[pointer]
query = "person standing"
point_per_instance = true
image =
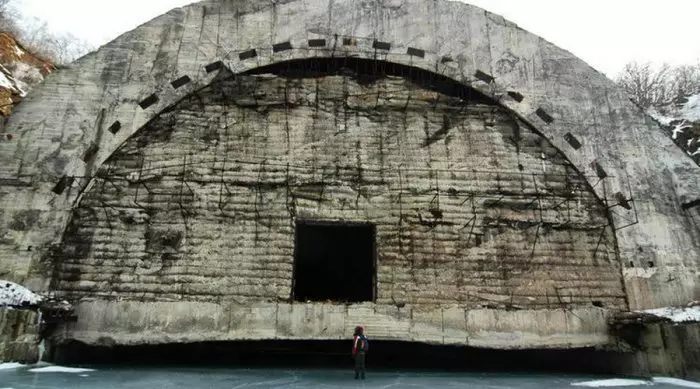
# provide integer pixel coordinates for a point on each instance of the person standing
(360, 346)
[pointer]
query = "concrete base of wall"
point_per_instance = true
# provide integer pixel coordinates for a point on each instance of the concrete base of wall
(137, 323)
(561, 340)
(19, 336)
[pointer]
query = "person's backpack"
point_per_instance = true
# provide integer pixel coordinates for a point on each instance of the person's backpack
(365, 344)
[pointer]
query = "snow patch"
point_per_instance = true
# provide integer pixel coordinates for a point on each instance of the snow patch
(682, 121)
(60, 369)
(677, 131)
(664, 120)
(691, 109)
(677, 315)
(676, 382)
(10, 365)
(19, 77)
(614, 382)
(25, 74)
(15, 295)
(5, 82)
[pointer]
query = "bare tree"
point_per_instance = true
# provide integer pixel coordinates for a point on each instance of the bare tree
(36, 35)
(685, 81)
(8, 16)
(646, 86)
(66, 48)
(661, 87)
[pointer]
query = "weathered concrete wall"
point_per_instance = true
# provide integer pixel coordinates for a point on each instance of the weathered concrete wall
(133, 323)
(470, 206)
(227, 174)
(74, 109)
(19, 335)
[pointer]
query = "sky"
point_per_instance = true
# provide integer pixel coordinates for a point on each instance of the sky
(605, 33)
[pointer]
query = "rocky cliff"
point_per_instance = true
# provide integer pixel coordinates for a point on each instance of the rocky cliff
(20, 70)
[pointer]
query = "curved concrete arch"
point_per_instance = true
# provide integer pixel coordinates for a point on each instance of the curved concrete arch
(73, 122)
(269, 133)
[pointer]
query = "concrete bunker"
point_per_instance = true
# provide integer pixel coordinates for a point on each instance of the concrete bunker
(297, 200)
(490, 176)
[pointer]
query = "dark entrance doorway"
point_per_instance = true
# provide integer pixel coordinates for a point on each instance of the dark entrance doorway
(334, 261)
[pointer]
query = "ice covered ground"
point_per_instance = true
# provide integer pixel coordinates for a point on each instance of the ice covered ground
(613, 382)
(57, 377)
(657, 382)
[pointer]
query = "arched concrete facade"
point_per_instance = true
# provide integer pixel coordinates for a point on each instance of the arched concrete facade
(75, 121)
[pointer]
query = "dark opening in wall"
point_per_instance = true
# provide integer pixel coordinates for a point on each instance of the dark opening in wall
(334, 262)
(115, 127)
(180, 82)
(317, 43)
(62, 184)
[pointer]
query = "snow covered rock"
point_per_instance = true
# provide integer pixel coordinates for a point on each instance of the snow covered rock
(677, 315)
(682, 122)
(15, 295)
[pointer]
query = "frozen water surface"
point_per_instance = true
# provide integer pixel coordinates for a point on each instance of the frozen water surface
(55, 377)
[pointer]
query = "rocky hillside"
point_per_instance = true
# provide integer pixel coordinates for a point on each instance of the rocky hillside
(682, 122)
(20, 70)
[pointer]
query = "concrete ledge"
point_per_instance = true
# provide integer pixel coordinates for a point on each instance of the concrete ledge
(132, 323)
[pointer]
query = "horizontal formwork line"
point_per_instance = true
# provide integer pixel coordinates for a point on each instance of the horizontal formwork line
(584, 289)
(501, 279)
(206, 296)
(166, 283)
(499, 296)
(264, 161)
(467, 265)
(331, 189)
(448, 198)
(251, 269)
(562, 275)
(386, 257)
(565, 274)
(465, 284)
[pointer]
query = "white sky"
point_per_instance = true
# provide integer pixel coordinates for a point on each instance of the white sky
(605, 33)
